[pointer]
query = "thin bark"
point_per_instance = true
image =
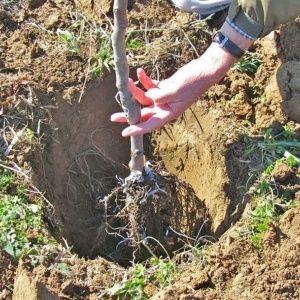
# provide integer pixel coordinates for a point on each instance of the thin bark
(129, 105)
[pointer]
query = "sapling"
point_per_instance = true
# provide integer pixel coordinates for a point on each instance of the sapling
(129, 105)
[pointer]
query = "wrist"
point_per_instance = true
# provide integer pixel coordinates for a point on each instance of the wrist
(193, 79)
(241, 41)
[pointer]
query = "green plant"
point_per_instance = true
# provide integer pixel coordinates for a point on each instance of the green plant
(30, 135)
(292, 162)
(70, 39)
(103, 58)
(249, 63)
(260, 219)
(164, 271)
(6, 180)
(64, 269)
(20, 219)
(269, 203)
(264, 187)
(133, 288)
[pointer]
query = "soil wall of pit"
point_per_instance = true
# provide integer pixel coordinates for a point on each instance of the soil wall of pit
(79, 164)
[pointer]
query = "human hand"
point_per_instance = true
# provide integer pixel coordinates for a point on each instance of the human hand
(164, 102)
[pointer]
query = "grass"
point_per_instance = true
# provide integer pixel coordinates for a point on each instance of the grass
(70, 39)
(280, 149)
(103, 59)
(82, 31)
(268, 210)
(156, 271)
(21, 224)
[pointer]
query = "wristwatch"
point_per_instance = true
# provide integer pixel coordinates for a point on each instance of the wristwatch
(224, 42)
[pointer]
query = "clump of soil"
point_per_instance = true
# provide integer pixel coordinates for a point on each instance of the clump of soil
(8, 271)
(150, 217)
(66, 276)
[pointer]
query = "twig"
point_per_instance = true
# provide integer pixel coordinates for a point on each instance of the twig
(14, 140)
(87, 69)
(15, 170)
(190, 42)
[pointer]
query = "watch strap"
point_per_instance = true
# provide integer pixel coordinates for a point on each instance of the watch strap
(224, 42)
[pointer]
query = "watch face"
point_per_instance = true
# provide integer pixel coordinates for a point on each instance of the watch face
(218, 37)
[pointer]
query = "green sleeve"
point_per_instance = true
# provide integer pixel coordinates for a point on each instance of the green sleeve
(257, 18)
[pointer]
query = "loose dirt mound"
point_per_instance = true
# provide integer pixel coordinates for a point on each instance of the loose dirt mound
(235, 271)
(65, 276)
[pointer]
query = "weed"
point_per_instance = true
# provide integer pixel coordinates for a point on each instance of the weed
(134, 45)
(260, 219)
(70, 39)
(270, 204)
(157, 271)
(30, 135)
(102, 59)
(64, 269)
(133, 288)
(6, 180)
(133, 41)
(164, 271)
(249, 63)
(20, 219)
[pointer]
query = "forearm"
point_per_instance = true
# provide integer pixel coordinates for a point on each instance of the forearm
(193, 79)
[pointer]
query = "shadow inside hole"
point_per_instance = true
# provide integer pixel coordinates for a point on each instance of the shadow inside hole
(78, 168)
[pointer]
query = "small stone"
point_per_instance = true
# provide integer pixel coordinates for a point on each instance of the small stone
(52, 21)
(281, 172)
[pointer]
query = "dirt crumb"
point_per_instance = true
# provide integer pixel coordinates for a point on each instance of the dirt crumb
(7, 270)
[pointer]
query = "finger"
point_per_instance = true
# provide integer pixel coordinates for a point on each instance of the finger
(145, 80)
(162, 116)
(139, 94)
(144, 127)
(159, 96)
(118, 117)
(146, 113)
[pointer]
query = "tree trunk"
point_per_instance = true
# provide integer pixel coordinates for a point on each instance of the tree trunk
(129, 105)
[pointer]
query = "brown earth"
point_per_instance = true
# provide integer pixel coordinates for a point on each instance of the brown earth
(65, 276)
(235, 271)
(79, 153)
(8, 271)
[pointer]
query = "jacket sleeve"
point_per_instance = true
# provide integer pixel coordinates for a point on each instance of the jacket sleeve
(257, 18)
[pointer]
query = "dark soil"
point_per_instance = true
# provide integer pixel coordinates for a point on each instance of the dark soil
(8, 271)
